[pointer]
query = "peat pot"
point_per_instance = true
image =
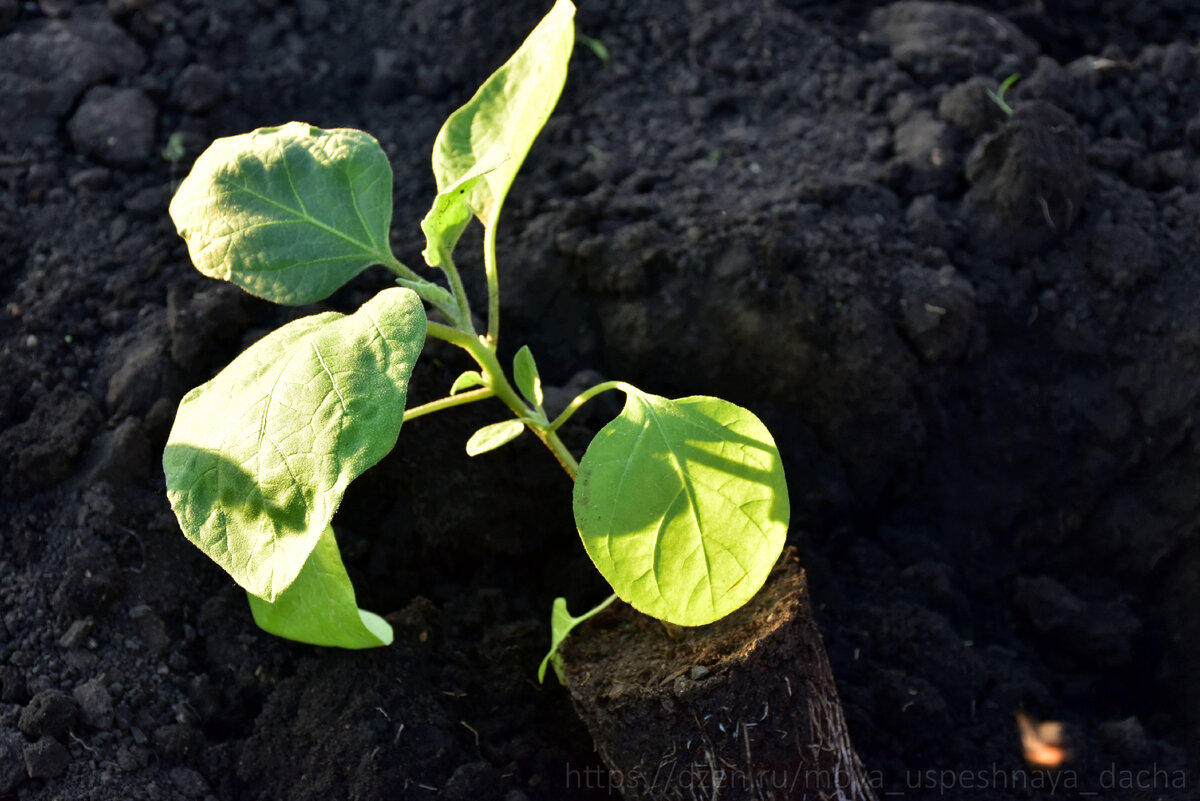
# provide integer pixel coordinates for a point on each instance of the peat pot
(744, 708)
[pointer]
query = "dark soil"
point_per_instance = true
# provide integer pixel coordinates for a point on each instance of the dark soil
(976, 339)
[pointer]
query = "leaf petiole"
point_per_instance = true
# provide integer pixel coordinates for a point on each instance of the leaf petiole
(561, 624)
(460, 296)
(448, 402)
(491, 272)
(586, 396)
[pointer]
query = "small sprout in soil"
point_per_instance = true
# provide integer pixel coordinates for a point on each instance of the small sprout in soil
(997, 96)
(598, 48)
(680, 503)
(174, 150)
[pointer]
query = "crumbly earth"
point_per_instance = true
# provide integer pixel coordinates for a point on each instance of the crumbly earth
(976, 339)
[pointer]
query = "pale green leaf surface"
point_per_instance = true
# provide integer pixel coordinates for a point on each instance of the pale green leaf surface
(319, 607)
(259, 457)
(493, 436)
(682, 505)
(525, 373)
(471, 378)
(289, 214)
(506, 114)
(450, 213)
(437, 296)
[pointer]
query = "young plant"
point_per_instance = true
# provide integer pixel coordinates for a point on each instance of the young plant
(997, 96)
(681, 504)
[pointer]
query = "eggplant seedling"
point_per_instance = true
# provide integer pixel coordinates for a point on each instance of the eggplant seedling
(681, 504)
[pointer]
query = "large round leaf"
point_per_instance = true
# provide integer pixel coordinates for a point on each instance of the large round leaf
(682, 505)
(290, 213)
(259, 457)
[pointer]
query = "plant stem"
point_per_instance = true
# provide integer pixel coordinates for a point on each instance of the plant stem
(397, 267)
(460, 294)
(482, 351)
(558, 448)
(598, 608)
(493, 283)
(448, 402)
(583, 398)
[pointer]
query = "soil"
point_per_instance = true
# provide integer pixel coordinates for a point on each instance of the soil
(976, 339)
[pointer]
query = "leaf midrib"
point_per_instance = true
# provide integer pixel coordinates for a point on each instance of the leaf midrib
(305, 217)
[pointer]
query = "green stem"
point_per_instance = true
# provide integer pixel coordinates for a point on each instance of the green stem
(451, 335)
(558, 448)
(583, 398)
(493, 283)
(448, 402)
(484, 355)
(395, 265)
(597, 609)
(460, 295)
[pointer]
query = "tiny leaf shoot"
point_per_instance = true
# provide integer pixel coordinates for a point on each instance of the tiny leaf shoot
(997, 96)
(598, 48)
(451, 211)
(469, 379)
(561, 624)
(493, 436)
(525, 373)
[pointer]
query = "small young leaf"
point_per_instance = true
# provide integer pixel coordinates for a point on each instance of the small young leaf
(471, 378)
(319, 607)
(289, 214)
(493, 436)
(444, 223)
(435, 295)
(259, 457)
(506, 114)
(562, 622)
(682, 505)
(525, 373)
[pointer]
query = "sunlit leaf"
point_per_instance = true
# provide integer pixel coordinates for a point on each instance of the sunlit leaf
(259, 457)
(493, 436)
(525, 373)
(319, 607)
(506, 114)
(289, 214)
(444, 224)
(469, 379)
(682, 505)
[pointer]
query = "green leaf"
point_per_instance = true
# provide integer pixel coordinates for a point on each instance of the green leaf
(596, 46)
(493, 436)
(259, 457)
(682, 505)
(561, 624)
(525, 373)
(446, 220)
(319, 607)
(289, 214)
(506, 114)
(437, 297)
(471, 378)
